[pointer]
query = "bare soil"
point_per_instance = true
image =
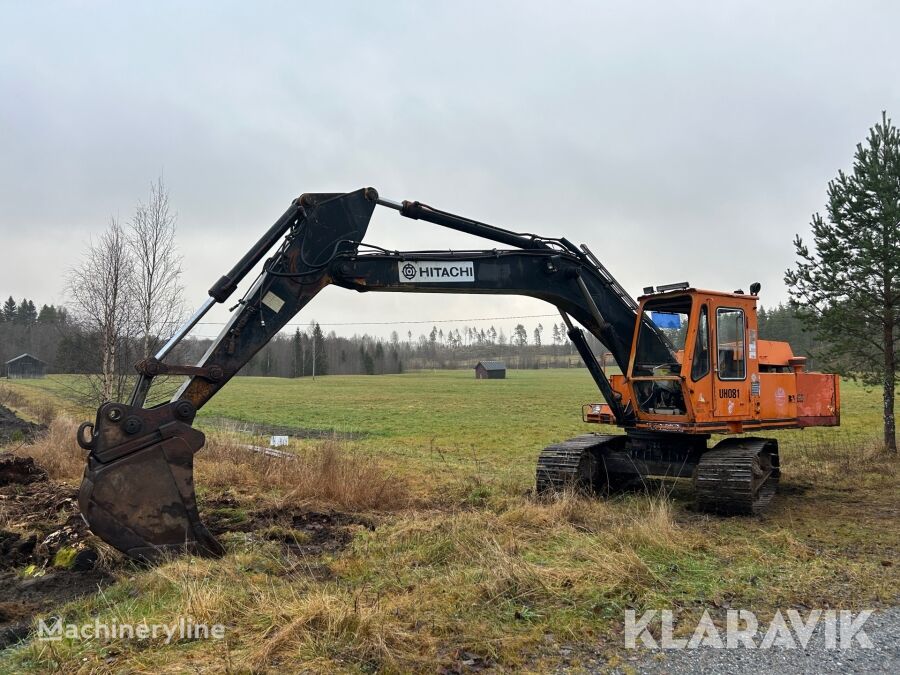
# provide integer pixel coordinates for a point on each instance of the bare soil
(38, 516)
(13, 429)
(306, 533)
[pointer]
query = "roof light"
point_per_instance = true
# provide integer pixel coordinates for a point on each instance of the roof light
(681, 285)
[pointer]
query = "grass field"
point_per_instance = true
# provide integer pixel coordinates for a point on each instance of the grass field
(447, 556)
(447, 424)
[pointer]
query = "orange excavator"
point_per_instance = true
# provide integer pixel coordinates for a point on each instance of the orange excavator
(691, 365)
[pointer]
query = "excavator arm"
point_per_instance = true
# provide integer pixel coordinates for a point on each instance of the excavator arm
(137, 493)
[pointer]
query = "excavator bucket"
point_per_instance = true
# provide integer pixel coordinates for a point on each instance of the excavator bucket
(138, 489)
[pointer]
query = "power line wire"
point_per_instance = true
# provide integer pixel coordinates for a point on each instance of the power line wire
(401, 323)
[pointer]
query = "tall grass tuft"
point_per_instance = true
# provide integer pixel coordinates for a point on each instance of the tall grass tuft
(325, 473)
(57, 451)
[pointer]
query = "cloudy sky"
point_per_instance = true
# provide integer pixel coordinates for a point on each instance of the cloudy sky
(681, 141)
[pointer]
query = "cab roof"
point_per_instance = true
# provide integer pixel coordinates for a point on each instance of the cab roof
(695, 291)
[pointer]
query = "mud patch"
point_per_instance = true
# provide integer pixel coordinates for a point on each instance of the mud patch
(19, 470)
(30, 502)
(25, 598)
(15, 430)
(302, 532)
(38, 518)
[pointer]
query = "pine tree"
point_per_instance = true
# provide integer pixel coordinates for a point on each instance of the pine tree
(846, 288)
(47, 314)
(520, 336)
(319, 349)
(27, 313)
(10, 309)
(367, 362)
(297, 354)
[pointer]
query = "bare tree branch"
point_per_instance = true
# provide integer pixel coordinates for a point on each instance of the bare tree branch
(157, 268)
(100, 288)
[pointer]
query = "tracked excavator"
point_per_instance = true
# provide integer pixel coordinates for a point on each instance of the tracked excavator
(690, 363)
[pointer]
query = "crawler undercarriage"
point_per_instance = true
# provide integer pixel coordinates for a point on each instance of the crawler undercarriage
(736, 476)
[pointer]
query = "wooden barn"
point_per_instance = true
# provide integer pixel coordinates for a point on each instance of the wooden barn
(25, 367)
(490, 370)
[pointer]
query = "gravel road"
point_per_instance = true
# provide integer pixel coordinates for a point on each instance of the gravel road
(883, 629)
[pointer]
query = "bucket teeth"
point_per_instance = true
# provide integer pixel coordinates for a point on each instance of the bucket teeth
(137, 493)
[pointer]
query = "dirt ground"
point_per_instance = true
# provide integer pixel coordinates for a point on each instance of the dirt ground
(13, 429)
(39, 517)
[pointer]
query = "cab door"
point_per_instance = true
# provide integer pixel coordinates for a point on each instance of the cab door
(700, 378)
(731, 391)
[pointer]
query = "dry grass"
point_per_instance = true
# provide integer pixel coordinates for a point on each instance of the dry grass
(57, 451)
(324, 627)
(425, 586)
(325, 473)
(481, 569)
(37, 408)
(841, 462)
(410, 596)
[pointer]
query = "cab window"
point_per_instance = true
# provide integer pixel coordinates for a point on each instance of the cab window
(661, 337)
(700, 360)
(730, 344)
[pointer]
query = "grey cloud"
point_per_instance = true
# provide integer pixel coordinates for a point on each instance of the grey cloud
(679, 140)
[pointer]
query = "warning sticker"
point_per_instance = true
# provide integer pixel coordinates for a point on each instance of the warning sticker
(273, 302)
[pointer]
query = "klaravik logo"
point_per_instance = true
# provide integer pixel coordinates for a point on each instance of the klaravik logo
(841, 630)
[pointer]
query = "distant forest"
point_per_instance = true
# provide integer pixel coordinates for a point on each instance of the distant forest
(49, 334)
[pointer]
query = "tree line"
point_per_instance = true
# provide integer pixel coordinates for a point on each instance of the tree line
(69, 346)
(26, 329)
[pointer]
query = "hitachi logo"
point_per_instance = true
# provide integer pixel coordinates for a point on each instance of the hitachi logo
(428, 271)
(435, 272)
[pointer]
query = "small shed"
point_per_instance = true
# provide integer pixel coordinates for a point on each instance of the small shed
(490, 370)
(25, 367)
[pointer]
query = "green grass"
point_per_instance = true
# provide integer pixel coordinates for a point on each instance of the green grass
(475, 565)
(445, 422)
(448, 422)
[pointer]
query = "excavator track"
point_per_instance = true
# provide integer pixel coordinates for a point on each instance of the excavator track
(739, 476)
(572, 463)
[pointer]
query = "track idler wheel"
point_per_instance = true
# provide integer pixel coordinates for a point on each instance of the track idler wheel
(137, 494)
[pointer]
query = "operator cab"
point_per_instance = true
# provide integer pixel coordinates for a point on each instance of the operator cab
(688, 345)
